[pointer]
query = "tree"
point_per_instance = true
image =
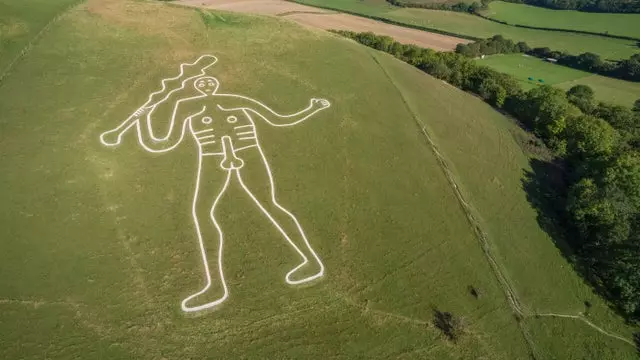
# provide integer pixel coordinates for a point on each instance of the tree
(636, 106)
(545, 108)
(630, 68)
(588, 209)
(590, 138)
(492, 92)
(622, 119)
(624, 173)
(582, 96)
(523, 47)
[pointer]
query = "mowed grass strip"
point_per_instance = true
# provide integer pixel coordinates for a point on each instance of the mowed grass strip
(21, 21)
(601, 23)
(523, 67)
(470, 25)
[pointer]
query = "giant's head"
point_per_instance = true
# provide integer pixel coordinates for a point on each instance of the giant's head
(206, 85)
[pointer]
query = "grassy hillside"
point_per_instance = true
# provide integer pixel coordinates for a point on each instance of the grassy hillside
(470, 25)
(523, 67)
(21, 21)
(97, 246)
(520, 14)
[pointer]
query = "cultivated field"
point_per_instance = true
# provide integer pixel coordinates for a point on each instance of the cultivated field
(520, 14)
(523, 67)
(98, 245)
(470, 25)
(328, 20)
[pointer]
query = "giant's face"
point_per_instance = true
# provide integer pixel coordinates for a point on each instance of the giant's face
(206, 85)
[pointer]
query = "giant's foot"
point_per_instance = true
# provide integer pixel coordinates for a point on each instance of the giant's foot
(206, 298)
(305, 272)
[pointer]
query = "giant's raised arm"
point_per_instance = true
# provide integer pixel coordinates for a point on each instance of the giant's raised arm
(234, 102)
(170, 88)
(141, 121)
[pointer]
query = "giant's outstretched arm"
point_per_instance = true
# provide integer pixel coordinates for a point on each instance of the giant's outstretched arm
(141, 121)
(270, 116)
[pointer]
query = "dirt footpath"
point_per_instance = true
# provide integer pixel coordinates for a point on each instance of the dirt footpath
(326, 19)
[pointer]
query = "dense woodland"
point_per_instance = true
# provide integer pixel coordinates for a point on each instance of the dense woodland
(598, 146)
(627, 69)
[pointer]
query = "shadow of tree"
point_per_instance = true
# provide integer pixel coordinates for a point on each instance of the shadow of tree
(546, 186)
(453, 327)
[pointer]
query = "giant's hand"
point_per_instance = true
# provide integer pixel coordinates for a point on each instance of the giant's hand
(320, 104)
(111, 137)
(114, 137)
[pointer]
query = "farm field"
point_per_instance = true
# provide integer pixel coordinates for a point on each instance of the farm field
(521, 14)
(475, 26)
(98, 245)
(331, 20)
(523, 67)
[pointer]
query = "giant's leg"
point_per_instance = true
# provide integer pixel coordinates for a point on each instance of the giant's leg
(211, 183)
(257, 180)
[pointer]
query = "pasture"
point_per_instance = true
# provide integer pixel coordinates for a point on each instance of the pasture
(21, 21)
(98, 245)
(600, 23)
(475, 26)
(523, 67)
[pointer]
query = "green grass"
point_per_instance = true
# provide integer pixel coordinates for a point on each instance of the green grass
(523, 67)
(470, 25)
(97, 247)
(520, 14)
(21, 21)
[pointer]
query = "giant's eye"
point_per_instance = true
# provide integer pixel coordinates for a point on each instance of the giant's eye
(201, 85)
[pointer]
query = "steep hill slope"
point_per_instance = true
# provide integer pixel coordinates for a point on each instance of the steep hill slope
(97, 244)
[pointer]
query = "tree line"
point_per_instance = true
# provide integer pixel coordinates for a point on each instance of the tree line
(458, 7)
(602, 6)
(598, 143)
(605, 6)
(627, 69)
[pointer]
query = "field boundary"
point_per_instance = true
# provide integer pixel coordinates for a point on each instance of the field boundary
(392, 22)
(5, 72)
(583, 32)
(505, 284)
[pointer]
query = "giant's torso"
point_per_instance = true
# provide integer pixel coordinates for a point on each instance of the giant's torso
(212, 123)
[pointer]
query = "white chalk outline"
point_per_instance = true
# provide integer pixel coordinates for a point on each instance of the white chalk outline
(207, 87)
